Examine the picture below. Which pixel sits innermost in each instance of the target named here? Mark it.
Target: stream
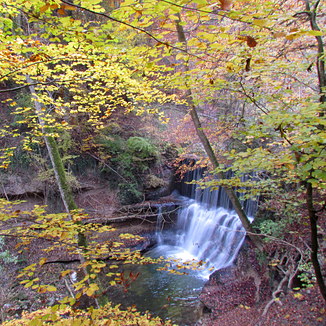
(208, 231)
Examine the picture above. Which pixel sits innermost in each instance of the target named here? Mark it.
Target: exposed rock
(159, 183)
(20, 184)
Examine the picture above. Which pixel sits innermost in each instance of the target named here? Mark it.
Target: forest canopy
(240, 85)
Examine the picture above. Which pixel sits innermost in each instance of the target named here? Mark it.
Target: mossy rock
(153, 182)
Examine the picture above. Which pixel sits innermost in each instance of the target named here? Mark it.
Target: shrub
(129, 193)
(5, 256)
(141, 147)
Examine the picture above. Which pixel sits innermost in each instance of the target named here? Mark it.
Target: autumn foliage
(252, 72)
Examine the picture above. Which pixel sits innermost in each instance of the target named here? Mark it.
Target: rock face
(238, 296)
(95, 191)
(20, 184)
(240, 286)
(159, 184)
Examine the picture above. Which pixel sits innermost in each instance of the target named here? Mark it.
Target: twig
(108, 166)
(69, 288)
(4, 191)
(133, 27)
(274, 295)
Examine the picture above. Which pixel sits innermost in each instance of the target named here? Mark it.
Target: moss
(61, 174)
(152, 181)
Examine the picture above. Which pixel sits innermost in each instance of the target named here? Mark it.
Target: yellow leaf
(292, 36)
(261, 22)
(29, 284)
(51, 288)
(64, 273)
(298, 295)
(42, 261)
(92, 288)
(315, 33)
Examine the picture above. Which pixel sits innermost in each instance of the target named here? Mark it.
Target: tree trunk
(212, 157)
(57, 164)
(320, 62)
(64, 189)
(229, 191)
(313, 218)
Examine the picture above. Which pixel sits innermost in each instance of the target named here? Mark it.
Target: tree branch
(139, 29)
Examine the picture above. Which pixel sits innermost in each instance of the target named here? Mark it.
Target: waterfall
(208, 229)
(212, 235)
(159, 225)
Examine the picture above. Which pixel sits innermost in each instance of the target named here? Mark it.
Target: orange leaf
(279, 34)
(251, 42)
(35, 57)
(44, 8)
(42, 261)
(41, 289)
(67, 7)
(61, 12)
(226, 4)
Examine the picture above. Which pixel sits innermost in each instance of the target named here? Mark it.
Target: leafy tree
(86, 60)
(72, 76)
(264, 55)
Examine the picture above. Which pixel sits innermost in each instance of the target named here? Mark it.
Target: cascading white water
(208, 230)
(211, 235)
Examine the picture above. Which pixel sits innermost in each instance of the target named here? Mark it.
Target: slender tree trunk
(320, 62)
(56, 161)
(212, 157)
(313, 218)
(229, 191)
(311, 10)
(64, 189)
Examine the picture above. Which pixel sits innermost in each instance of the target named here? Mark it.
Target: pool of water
(162, 293)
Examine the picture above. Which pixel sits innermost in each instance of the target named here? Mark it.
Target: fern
(141, 147)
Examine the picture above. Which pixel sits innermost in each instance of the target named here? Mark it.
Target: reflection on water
(169, 296)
